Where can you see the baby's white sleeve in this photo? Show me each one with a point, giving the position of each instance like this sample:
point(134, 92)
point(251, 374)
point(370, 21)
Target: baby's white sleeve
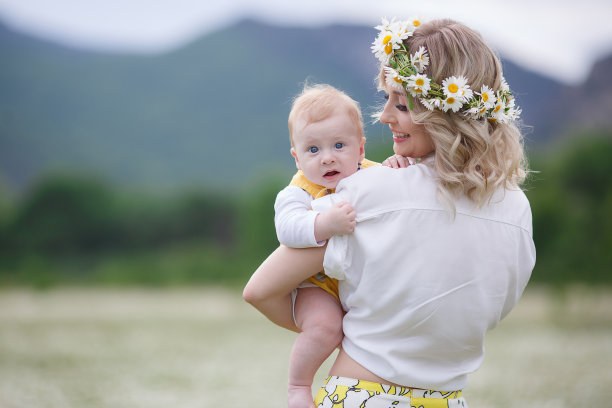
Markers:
point(337, 254)
point(294, 218)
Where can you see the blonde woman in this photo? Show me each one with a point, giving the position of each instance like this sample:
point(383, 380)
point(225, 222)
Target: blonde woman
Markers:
point(442, 249)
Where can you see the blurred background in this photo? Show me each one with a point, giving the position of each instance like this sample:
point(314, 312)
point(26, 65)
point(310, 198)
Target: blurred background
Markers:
point(142, 143)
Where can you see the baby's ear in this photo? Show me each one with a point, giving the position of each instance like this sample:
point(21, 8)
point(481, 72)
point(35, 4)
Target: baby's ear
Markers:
point(297, 162)
point(362, 148)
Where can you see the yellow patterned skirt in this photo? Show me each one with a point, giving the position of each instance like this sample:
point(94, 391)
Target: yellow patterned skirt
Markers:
point(341, 392)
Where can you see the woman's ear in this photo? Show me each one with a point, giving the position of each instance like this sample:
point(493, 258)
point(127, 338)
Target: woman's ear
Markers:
point(297, 162)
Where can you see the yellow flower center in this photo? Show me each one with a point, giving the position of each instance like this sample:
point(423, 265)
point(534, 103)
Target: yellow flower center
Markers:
point(398, 80)
point(485, 97)
point(386, 39)
point(416, 23)
point(453, 88)
point(450, 100)
point(389, 48)
point(497, 108)
point(420, 82)
point(418, 90)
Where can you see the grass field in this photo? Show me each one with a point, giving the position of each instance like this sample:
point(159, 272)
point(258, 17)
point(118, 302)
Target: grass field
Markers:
point(129, 348)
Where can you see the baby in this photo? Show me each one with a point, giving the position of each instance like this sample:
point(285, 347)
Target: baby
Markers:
point(327, 142)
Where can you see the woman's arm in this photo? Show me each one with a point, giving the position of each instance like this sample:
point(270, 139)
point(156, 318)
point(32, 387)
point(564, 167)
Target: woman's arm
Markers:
point(269, 289)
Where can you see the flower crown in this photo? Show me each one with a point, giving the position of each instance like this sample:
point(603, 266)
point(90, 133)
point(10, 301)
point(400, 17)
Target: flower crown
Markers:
point(404, 71)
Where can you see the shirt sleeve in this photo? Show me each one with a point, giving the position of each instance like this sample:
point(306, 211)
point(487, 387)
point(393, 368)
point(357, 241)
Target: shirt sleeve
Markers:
point(294, 218)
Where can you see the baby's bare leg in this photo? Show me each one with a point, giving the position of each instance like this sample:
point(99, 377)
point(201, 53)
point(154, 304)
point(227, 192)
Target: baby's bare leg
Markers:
point(319, 317)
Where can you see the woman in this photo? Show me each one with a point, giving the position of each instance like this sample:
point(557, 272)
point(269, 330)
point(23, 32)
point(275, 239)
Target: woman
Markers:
point(443, 249)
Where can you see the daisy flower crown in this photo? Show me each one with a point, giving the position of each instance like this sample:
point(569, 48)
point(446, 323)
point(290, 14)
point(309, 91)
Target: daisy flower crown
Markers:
point(404, 71)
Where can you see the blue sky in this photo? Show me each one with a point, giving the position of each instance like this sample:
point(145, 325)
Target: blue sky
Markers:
point(560, 38)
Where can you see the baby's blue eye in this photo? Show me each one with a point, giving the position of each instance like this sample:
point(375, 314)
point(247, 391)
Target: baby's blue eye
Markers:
point(339, 145)
point(313, 149)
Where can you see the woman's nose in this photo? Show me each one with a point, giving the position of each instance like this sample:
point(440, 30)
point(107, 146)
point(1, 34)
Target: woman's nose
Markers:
point(385, 116)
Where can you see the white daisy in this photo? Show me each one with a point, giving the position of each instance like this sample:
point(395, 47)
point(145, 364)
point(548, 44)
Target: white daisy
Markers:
point(380, 48)
point(487, 96)
point(401, 29)
point(457, 88)
point(453, 103)
point(513, 113)
point(420, 59)
point(499, 112)
point(504, 85)
point(393, 79)
point(415, 22)
point(385, 44)
point(477, 111)
point(385, 24)
point(418, 85)
point(430, 104)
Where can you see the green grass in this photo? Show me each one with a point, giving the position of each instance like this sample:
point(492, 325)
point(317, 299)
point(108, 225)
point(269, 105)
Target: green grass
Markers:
point(70, 347)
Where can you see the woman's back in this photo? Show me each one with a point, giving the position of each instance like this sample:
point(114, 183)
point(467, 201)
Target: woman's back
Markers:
point(427, 304)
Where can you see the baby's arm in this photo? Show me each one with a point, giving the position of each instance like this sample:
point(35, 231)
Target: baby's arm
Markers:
point(294, 219)
point(338, 220)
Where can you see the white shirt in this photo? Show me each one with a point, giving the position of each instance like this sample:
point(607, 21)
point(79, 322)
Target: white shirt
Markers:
point(294, 218)
point(420, 289)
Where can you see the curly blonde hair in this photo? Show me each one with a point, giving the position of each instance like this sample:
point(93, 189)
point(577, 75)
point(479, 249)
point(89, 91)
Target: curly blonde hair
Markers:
point(472, 157)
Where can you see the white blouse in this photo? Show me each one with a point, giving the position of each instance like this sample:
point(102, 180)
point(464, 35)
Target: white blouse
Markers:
point(420, 288)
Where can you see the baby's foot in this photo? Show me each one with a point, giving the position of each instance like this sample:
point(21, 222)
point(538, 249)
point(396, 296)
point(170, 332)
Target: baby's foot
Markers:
point(300, 396)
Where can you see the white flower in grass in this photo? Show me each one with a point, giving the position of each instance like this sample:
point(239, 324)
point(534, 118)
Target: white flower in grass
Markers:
point(418, 85)
point(393, 79)
point(420, 59)
point(487, 96)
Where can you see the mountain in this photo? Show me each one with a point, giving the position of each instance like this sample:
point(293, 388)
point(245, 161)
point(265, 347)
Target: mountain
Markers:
point(212, 113)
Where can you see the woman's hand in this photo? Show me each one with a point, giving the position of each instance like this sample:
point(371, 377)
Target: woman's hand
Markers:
point(397, 162)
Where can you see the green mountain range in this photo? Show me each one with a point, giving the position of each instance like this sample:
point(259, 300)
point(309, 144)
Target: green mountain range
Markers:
point(210, 114)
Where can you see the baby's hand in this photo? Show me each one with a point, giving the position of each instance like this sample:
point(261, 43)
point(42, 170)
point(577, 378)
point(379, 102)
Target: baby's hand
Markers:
point(338, 220)
point(396, 162)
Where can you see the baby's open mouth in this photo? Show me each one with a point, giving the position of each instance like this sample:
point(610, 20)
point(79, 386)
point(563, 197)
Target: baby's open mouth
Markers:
point(330, 173)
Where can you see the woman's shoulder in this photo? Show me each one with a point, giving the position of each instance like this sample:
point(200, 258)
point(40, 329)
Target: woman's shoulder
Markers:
point(385, 177)
point(508, 205)
point(384, 187)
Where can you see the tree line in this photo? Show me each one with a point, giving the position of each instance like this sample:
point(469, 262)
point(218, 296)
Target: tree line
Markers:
point(79, 230)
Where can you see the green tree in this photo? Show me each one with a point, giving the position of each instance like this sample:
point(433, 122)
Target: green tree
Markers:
point(65, 215)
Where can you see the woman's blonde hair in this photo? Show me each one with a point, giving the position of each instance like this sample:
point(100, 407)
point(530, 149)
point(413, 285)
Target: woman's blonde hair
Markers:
point(472, 157)
point(317, 102)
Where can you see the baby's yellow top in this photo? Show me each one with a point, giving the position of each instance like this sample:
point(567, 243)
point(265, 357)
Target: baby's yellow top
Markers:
point(316, 190)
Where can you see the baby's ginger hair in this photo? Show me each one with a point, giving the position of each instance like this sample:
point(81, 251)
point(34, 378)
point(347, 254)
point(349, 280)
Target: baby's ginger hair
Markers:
point(317, 102)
